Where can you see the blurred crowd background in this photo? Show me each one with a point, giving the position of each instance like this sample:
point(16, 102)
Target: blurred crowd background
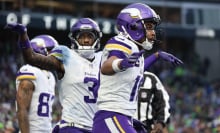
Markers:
point(190, 30)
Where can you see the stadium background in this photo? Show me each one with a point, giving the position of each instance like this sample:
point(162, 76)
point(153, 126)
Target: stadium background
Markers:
point(191, 31)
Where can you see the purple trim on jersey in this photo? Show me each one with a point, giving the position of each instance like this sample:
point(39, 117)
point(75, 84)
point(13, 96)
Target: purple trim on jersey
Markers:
point(23, 73)
point(117, 53)
point(113, 41)
point(108, 122)
point(149, 61)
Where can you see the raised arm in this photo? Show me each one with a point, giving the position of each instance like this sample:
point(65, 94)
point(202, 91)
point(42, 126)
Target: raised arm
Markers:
point(35, 59)
point(150, 60)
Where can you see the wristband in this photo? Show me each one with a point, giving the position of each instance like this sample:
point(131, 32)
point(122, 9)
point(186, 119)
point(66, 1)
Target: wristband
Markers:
point(25, 45)
point(115, 65)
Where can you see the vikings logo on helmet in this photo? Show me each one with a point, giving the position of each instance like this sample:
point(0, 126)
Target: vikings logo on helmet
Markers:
point(43, 43)
point(130, 22)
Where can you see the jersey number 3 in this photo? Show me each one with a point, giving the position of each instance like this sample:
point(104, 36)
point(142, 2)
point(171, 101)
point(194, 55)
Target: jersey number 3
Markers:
point(94, 89)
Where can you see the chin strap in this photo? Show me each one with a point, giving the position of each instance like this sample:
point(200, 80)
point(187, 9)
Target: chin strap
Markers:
point(146, 44)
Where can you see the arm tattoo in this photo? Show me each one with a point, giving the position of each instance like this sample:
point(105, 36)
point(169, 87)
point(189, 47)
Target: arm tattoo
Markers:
point(24, 96)
point(44, 62)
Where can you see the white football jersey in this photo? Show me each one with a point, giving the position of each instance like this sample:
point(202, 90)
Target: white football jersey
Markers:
point(118, 92)
point(78, 88)
point(41, 104)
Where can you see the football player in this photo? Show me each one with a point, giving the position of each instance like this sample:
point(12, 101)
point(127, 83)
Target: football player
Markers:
point(77, 69)
point(122, 69)
point(78, 72)
point(35, 91)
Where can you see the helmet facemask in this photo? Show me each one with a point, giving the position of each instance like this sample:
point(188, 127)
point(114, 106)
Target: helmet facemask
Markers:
point(146, 44)
point(88, 26)
point(85, 50)
point(131, 23)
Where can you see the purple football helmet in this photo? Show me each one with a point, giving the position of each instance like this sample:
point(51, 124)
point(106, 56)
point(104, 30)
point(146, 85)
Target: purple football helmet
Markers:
point(43, 43)
point(130, 22)
point(85, 25)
